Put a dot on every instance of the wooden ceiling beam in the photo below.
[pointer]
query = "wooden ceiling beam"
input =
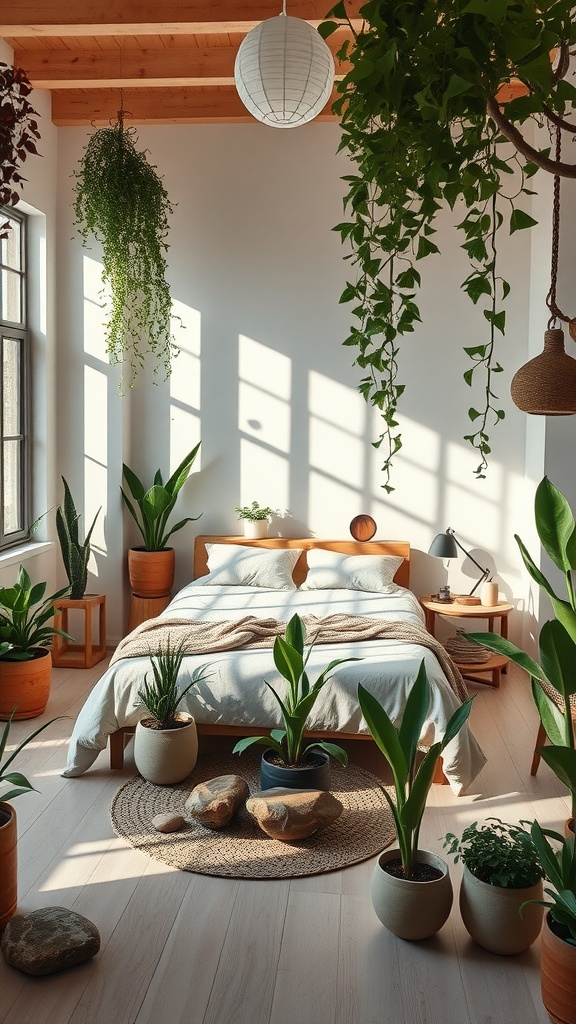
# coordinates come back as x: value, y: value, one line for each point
x: 150, y: 17
x: 155, y: 106
x: 153, y: 65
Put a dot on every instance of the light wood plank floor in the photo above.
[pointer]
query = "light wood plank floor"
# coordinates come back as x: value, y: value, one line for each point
x: 179, y: 947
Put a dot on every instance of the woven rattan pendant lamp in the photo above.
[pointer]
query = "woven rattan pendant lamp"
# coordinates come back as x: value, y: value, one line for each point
x: 284, y: 72
x: 546, y: 385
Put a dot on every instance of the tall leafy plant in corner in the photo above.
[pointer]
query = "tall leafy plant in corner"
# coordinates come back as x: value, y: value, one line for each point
x: 121, y: 201
x: 420, y: 122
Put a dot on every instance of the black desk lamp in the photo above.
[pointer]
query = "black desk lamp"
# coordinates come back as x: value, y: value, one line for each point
x: 445, y: 545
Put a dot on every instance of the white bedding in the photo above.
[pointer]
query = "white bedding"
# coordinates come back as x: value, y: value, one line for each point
x: 233, y: 691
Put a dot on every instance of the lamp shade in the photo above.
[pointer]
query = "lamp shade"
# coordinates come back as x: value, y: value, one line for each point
x: 284, y: 72
x: 443, y: 546
x: 546, y: 385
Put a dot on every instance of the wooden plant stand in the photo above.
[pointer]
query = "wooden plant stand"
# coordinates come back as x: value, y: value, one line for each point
x: 142, y: 608
x: 69, y: 655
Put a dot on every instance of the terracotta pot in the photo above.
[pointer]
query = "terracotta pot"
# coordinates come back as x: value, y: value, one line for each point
x: 491, y: 915
x: 151, y: 573
x: 558, y: 976
x: 256, y: 529
x: 8, y: 864
x: 411, y: 910
x: 26, y: 684
x: 166, y: 756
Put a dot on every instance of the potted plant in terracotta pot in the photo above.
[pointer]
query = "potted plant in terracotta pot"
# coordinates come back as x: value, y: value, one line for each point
x: 26, y: 665
x: 411, y: 888
x: 8, y: 827
x: 166, y: 741
x: 151, y: 565
x: 287, y: 762
x: 255, y: 519
x: 502, y: 874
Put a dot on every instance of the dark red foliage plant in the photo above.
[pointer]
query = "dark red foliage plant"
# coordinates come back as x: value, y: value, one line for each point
x: 18, y: 131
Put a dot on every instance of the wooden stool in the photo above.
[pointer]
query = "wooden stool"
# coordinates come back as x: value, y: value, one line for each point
x: 87, y: 654
x: 142, y: 608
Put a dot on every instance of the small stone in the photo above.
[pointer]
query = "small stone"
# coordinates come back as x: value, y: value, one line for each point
x: 49, y: 940
x: 168, y: 822
x: 292, y: 814
x: 215, y: 802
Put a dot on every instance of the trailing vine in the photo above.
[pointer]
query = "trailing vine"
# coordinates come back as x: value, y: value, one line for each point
x: 121, y: 201
x: 420, y: 123
x: 18, y: 133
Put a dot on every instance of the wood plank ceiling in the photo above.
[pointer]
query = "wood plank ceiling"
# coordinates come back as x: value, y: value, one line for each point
x: 178, y: 70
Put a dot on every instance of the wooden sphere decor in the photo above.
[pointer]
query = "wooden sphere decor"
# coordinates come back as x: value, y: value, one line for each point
x: 363, y: 527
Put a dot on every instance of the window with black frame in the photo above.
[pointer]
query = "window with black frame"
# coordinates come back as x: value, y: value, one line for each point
x: 14, y: 383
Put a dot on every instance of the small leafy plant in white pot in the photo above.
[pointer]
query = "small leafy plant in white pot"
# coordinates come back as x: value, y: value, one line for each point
x: 255, y: 519
x: 502, y: 872
x: 166, y: 740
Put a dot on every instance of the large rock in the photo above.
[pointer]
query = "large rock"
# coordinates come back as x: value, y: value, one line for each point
x: 49, y: 940
x: 214, y: 803
x: 291, y: 814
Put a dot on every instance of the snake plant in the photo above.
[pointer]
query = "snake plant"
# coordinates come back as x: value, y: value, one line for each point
x: 74, y: 554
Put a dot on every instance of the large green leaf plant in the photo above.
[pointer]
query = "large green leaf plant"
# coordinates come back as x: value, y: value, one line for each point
x: 420, y: 123
x: 151, y: 507
x: 290, y: 659
x: 412, y: 780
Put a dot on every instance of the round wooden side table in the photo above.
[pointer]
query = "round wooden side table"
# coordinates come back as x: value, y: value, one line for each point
x: 497, y: 663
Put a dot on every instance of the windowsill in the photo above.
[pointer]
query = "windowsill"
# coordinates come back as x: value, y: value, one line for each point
x: 23, y: 552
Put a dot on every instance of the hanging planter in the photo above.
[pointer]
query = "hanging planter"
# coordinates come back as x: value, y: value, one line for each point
x: 121, y: 201
x: 422, y: 120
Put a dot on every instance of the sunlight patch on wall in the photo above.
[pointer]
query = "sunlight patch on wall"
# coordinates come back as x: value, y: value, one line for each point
x: 333, y: 504
x: 337, y: 425
x: 95, y: 457
x: 185, y: 378
x: 264, y: 476
x: 264, y: 368
x: 94, y: 313
x: 415, y: 478
x: 469, y: 500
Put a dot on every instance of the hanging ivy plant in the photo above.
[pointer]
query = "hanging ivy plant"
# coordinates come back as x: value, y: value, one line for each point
x: 121, y: 201
x: 18, y: 132
x: 420, y: 122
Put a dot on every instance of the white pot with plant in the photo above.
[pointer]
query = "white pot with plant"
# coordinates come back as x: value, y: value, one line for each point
x: 411, y: 888
x: 255, y: 519
x: 286, y: 762
x: 8, y: 828
x: 166, y: 740
x: 502, y: 874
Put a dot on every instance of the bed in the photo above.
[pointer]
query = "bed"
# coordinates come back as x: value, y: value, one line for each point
x: 239, y: 582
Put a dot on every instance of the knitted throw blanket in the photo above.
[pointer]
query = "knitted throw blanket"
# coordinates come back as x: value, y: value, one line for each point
x: 248, y: 633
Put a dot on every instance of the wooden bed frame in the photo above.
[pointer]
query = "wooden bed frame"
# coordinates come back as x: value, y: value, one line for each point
x: 120, y: 738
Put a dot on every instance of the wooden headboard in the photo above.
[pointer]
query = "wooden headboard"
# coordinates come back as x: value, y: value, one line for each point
x: 346, y: 547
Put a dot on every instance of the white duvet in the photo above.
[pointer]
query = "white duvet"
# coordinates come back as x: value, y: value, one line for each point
x: 233, y: 691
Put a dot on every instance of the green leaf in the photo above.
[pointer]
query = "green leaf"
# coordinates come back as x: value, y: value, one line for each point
x: 519, y: 220
x: 555, y: 525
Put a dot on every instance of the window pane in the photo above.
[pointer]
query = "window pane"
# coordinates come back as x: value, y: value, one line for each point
x: 11, y: 412
x: 11, y: 297
x: 12, y: 487
x: 11, y: 245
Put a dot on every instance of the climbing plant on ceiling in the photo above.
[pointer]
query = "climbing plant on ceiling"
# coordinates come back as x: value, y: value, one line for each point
x: 18, y: 132
x: 422, y: 118
x: 121, y: 201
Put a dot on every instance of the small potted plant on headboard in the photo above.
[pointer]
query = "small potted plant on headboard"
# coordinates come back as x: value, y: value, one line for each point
x: 255, y: 519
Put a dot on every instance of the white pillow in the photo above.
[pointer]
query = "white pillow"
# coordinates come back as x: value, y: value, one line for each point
x: 236, y: 566
x: 331, y: 570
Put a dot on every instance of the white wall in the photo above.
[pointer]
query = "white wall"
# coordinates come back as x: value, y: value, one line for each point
x: 263, y: 380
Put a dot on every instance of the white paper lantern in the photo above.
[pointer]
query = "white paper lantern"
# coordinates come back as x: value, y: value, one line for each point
x: 284, y: 72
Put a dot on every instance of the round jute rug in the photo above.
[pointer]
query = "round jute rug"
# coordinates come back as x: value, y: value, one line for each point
x: 241, y: 850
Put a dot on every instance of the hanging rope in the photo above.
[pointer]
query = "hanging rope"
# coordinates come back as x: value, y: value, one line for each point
x: 555, y: 311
